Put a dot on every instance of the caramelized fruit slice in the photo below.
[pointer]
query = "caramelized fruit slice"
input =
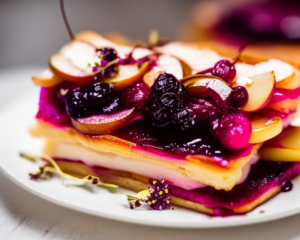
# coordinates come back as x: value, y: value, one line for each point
x: 284, y: 147
x: 127, y: 76
x: 103, y: 123
x: 280, y: 154
x: 46, y: 79
x: 264, y: 129
x: 260, y: 89
x: 197, y: 85
x: 289, y: 138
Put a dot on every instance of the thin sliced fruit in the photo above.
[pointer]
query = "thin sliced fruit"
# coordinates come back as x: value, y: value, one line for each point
x: 150, y: 77
x: 282, y: 70
x: 167, y: 64
x: 260, y: 90
x: 170, y: 65
x: 103, y: 123
x: 197, y: 85
x: 127, y: 76
x: 72, y: 62
x: 197, y: 59
x: 291, y: 82
x: 289, y: 138
x: 279, y: 154
x: 264, y: 129
x: 46, y: 79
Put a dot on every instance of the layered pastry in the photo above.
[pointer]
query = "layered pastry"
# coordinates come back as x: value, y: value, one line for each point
x: 180, y: 113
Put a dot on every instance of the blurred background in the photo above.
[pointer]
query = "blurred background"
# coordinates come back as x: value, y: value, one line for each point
x: 32, y: 30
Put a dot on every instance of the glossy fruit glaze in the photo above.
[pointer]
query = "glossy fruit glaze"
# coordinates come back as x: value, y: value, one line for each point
x: 172, y: 125
x: 263, y: 177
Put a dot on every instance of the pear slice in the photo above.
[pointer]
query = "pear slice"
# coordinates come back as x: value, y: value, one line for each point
x: 103, y: 123
x: 167, y: 64
x: 260, y: 89
x: 283, y: 71
x: 284, y: 148
x: 46, y: 79
x: 72, y: 62
x: 290, y: 138
x: 196, y: 58
x: 264, y: 129
x: 197, y: 85
x: 127, y: 76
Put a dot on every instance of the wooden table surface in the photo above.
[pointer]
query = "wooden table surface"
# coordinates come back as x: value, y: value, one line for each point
x: 26, y: 216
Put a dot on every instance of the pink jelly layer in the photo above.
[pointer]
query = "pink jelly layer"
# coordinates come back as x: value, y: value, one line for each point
x: 263, y: 177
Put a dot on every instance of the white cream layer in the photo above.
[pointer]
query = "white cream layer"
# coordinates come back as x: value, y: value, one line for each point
x: 116, y: 162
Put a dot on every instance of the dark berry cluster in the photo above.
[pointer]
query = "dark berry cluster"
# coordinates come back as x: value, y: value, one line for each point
x: 165, y: 104
x: 97, y: 98
x: 107, y: 55
x: 160, y: 196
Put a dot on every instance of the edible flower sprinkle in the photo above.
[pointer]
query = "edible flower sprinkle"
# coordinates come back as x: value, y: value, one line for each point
x: 157, y: 197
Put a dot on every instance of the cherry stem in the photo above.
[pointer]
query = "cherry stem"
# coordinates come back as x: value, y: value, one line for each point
x: 63, y: 12
x: 242, y: 48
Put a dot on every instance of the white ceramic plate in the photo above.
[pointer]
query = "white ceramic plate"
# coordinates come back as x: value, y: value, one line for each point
x: 15, y: 120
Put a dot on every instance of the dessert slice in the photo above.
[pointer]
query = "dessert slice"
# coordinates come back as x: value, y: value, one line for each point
x: 135, y: 115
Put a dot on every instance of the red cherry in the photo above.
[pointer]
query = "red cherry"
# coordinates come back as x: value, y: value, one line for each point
x: 225, y: 70
x: 233, y: 130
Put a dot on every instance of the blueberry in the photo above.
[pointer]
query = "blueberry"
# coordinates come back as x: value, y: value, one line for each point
x: 77, y: 104
x: 100, y: 93
x: 109, y: 54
